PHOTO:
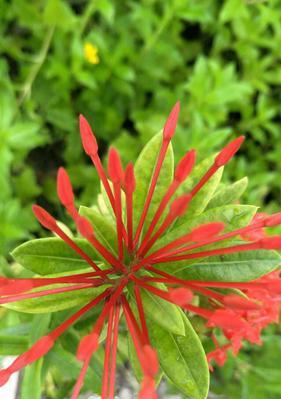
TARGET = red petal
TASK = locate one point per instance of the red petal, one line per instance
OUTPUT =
(185, 166)
(88, 138)
(171, 123)
(229, 151)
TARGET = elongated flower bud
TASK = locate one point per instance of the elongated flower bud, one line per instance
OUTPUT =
(273, 242)
(179, 205)
(238, 302)
(129, 178)
(88, 345)
(84, 227)
(15, 287)
(171, 123)
(150, 362)
(228, 151)
(185, 166)
(207, 230)
(273, 220)
(115, 169)
(4, 376)
(181, 296)
(44, 217)
(64, 188)
(88, 138)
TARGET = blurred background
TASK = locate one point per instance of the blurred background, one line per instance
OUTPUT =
(123, 64)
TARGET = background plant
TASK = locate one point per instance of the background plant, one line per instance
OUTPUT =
(221, 59)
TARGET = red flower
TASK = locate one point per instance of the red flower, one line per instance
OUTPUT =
(238, 317)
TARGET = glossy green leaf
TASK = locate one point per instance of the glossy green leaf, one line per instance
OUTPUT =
(243, 266)
(55, 302)
(104, 230)
(52, 255)
(229, 194)
(144, 168)
(182, 359)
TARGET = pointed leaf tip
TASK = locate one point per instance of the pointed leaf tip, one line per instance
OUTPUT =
(129, 178)
(185, 166)
(229, 151)
(44, 217)
(64, 188)
(115, 169)
(171, 123)
(87, 136)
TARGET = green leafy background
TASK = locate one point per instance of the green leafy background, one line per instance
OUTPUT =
(221, 59)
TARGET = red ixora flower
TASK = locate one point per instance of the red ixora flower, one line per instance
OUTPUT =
(240, 317)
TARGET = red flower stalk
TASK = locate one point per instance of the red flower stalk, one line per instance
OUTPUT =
(240, 317)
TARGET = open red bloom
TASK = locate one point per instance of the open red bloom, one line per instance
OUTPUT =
(240, 314)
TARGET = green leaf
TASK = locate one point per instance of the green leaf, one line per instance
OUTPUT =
(182, 359)
(144, 168)
(11, 345)
(202, 198)
(55, 302)
(243, 266)
(229, 194)
(52, 255)
(104, 230)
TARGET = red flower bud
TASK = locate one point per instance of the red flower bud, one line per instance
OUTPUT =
(84, 227)
(64, 188)
(185, 166)
(207, 230)
(115, 169)
(171, 123)
(179, 205)
(88, 138)
(88, 345)
(273, 220)
(129, 179)
(228, 151)
(273, 242)
(181, 296)
(150, 361)
(44, 217)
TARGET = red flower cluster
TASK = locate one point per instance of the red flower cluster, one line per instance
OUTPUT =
(238, 317)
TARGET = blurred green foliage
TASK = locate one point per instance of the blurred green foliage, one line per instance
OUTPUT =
(220, 58)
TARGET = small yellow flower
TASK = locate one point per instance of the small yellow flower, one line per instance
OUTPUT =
(91, 53)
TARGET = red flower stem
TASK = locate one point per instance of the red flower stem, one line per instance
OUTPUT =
(114, 352)
(21, 297)
(204, 179)
(106, 254)
(80, 380)
(213, 252)
(106, 367)
(151, 189)
(183, 240)
(117, 194)
(141, 314)
(129, 210)
(133, 321)
(163, 204)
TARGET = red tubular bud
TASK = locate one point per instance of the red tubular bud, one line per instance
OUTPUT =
(171, 123)
(129, 179)
(64, 188)
(115, 169)
(181, 296)
(207, 230)
(179, 205)
(238, 302)
(84, 227)
(273, 242)
(39, 349)
(273, 220)
(274, 287)
(87, 346)
(147, 389)
(228, 151)
(185, 166)
(87, 136)
(44, 218)
(150, 361)
(15, 287)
